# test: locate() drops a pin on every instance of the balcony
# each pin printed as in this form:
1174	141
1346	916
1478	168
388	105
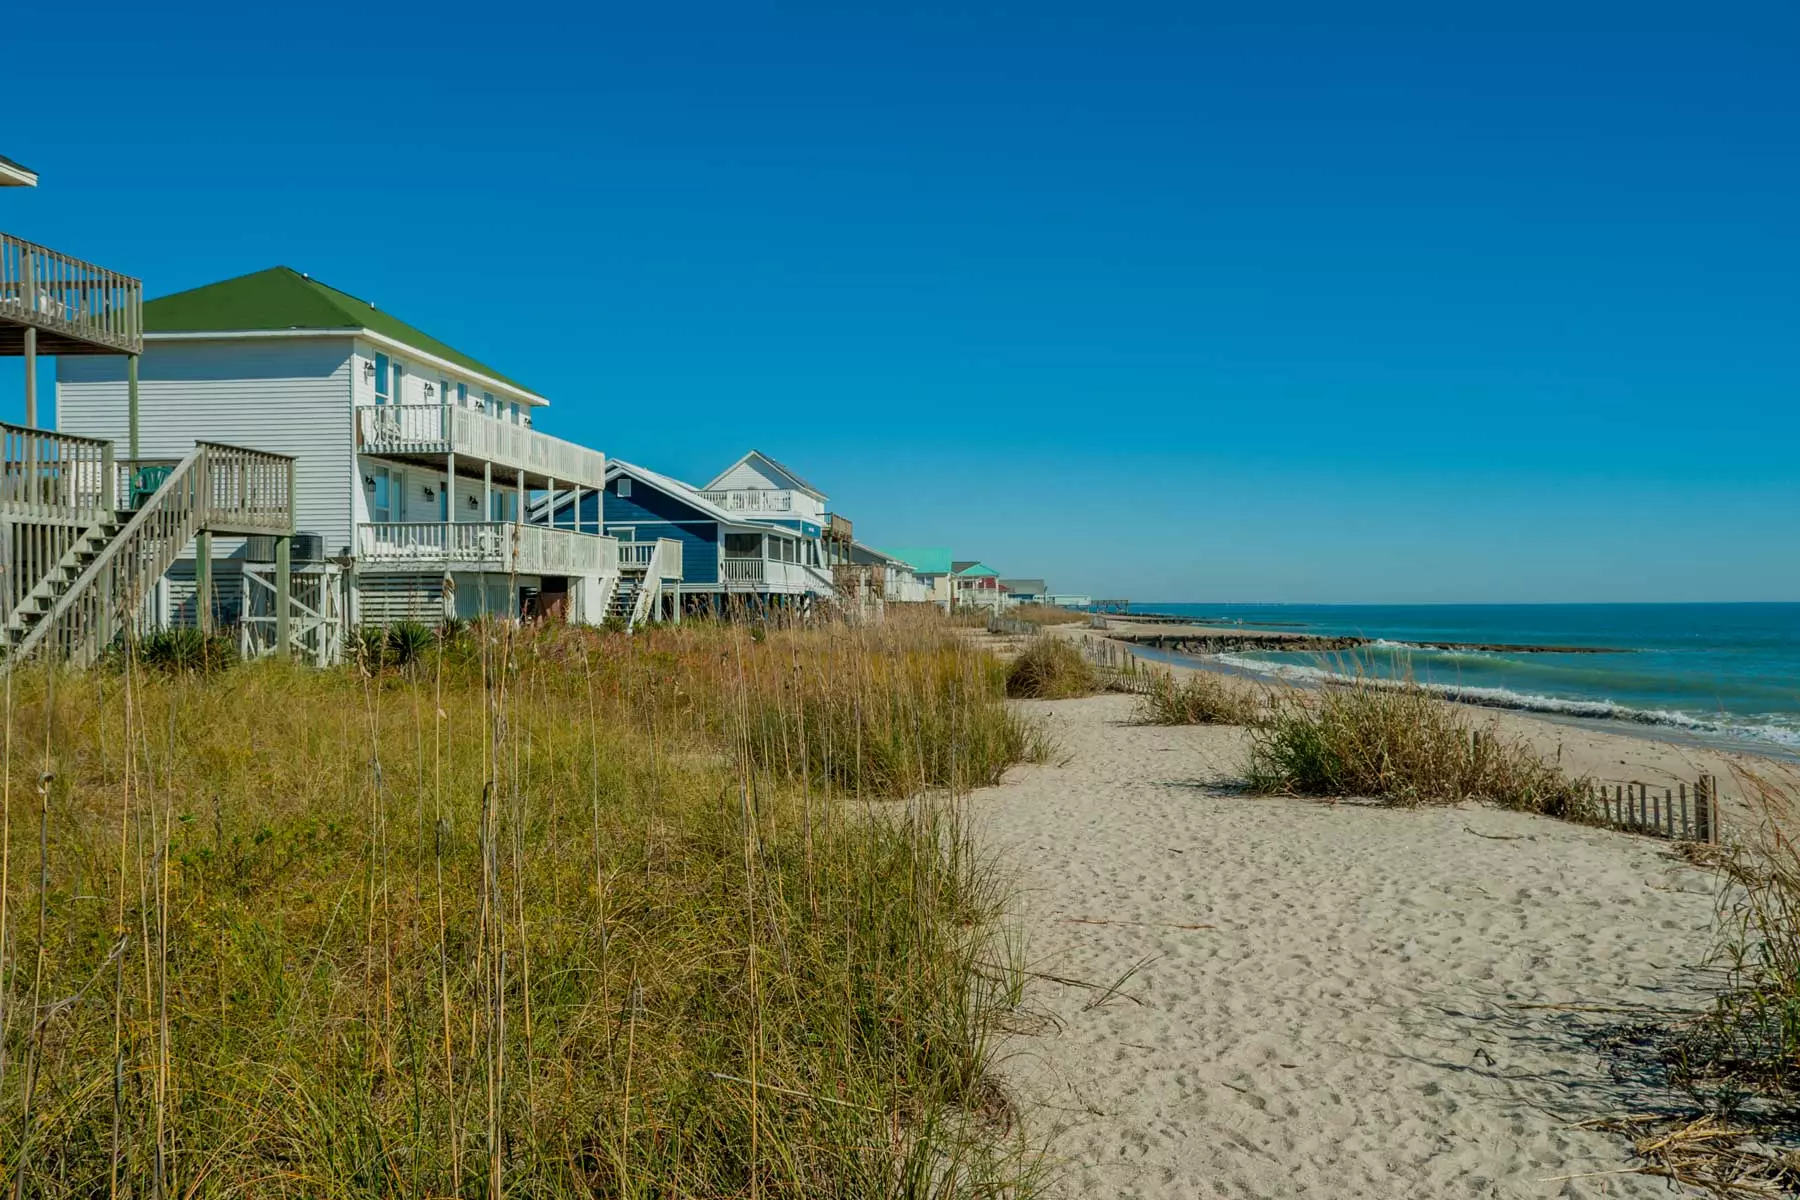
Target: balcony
756	501
433	429
772	575
498	546
76	307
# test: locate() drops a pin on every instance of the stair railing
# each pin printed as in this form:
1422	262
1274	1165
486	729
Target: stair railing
217	488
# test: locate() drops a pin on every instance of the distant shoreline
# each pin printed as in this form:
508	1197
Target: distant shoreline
1198	636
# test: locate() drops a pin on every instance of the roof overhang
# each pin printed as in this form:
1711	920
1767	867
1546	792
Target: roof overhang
513	391
14	174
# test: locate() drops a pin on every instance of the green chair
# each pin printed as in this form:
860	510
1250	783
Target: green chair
145	481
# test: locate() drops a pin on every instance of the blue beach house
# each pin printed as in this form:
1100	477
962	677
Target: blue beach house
752	544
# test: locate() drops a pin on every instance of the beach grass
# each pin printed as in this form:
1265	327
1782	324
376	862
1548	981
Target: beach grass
531	912
1402	744
1046	614
1201	698
1051	668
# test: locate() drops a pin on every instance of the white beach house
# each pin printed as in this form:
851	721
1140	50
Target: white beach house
414	463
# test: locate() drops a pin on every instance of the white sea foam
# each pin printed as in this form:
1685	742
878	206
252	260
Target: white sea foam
1772	731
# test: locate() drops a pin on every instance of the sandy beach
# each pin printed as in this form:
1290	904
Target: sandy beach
1329	1000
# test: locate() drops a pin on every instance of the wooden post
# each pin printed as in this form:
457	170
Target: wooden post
108	492
30	362
284	593
1706	807
203	579
449	495
487	491
1687	830
131	405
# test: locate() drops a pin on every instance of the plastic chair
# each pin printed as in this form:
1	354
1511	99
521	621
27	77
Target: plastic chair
145	482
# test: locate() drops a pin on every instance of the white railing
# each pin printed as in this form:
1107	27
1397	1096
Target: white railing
741	570
639	556
67	297
447	429
752	500
487	546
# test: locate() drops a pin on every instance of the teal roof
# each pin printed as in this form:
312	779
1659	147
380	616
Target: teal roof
981	569
282	298
924	560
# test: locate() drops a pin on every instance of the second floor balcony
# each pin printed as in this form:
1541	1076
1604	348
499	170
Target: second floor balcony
765	502
75	306
437	429
492	546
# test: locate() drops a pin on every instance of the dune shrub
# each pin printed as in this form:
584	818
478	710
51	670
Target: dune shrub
1201	698
1400	743
1051	668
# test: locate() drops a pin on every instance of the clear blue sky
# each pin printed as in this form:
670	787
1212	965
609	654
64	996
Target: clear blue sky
1215	302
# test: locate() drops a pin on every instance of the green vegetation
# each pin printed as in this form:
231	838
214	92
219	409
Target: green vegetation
547	913
1051	668
1046	614
1201	698
1403	744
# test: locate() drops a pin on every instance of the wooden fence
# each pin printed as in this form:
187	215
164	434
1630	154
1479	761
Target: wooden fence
1637	808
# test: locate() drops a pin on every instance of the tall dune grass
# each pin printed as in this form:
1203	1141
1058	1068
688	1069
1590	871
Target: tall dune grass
1200	698
534	913
1402	744
1051	668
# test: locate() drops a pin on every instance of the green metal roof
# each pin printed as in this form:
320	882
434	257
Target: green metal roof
282	298
981	569
924	560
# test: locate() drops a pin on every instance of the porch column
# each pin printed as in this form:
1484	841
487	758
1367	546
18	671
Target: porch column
131	404
450	492
487	491
284	593
550	501
30	377
203	579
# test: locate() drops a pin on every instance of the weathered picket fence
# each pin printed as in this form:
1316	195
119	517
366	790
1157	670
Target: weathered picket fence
1122	669
1638	808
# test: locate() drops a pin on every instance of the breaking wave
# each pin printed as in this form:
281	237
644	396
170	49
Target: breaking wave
1771	732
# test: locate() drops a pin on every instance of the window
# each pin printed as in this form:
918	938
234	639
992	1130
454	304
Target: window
500	506
625	533
399	379
383	484
743	545
443	391
382	395
623	491
515	413
444	500
462	395
487	404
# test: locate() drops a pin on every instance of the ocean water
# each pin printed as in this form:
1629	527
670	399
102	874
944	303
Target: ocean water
1727	672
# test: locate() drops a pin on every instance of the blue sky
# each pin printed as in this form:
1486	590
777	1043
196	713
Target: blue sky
1247	302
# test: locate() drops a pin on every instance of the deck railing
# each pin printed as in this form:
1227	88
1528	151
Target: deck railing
751	500
741	570
62	295
54	478
638	556
486	546
447	429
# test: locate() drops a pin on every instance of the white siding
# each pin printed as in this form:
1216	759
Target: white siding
417	374
748	475
285	395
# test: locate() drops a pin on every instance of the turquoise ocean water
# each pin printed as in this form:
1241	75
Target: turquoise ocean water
1716	671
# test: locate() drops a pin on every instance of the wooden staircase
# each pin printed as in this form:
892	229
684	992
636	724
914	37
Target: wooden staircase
79	571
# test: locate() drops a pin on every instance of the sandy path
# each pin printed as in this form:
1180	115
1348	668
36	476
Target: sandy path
1350	1023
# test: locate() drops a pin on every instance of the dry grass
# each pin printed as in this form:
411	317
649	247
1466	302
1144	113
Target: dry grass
1200	698
545	913
1051	668
1401	744
1046	614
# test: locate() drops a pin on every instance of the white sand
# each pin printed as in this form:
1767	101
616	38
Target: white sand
1352	1023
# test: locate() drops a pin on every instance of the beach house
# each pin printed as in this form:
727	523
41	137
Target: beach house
86	533
931	570
765	551
976	585
1024	591
414	462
